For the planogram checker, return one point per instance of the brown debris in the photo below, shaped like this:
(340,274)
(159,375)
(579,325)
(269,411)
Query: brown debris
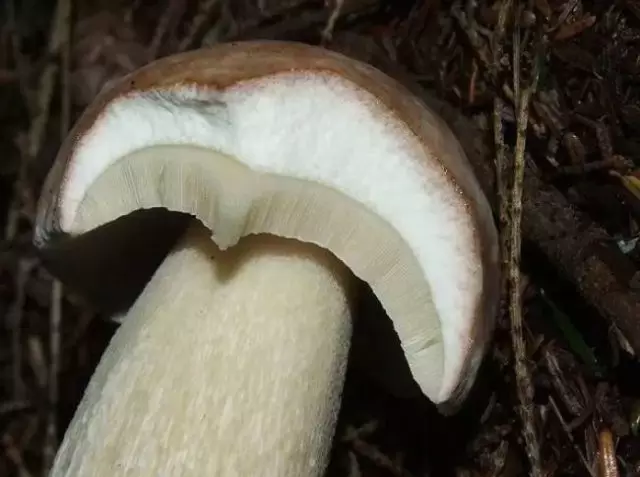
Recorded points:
(577,191)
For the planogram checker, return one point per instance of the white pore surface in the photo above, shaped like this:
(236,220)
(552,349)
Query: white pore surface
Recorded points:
(319,128)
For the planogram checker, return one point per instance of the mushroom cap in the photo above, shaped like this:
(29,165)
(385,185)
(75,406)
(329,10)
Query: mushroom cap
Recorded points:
(301,142)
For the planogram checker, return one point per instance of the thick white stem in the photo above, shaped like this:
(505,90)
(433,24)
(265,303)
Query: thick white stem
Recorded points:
(229,364)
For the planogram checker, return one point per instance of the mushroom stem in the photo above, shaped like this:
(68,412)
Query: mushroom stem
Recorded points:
(229,364)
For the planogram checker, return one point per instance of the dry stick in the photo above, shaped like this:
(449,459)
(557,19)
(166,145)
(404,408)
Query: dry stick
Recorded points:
(131,10)
(13,214)
(38,361)
(498,134)
(356,439)
(607,459)
(567,431)
(501,182)
(55,318)
(354,467)
(55,309)
(15,320)
(205,11)
(522,372)
(14,455)
(510,242)
(13,406)
(58,37)
(584,253)
(171,14)
(281,25)
(505,8)
(20,65)
(161,30)
(327,33)
(37,129)
(378,458)
(65,74)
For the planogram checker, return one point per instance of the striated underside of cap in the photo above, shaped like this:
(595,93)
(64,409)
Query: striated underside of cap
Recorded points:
(297,141)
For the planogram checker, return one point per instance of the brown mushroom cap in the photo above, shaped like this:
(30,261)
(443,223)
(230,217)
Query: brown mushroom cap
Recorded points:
(303,143)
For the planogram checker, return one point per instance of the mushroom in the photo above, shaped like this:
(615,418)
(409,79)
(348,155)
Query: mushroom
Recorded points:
(297,171)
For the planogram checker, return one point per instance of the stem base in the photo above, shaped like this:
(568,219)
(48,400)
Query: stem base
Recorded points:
(229,364)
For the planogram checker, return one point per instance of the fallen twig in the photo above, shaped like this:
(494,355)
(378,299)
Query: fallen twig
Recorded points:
(55,308)
(567,431)
(355,437)
(171,16)
(14,454)
(35,136)
(522,373)
(205,11)
(55,318)
(15,319)
(498,135)
(282,23)
(327,33)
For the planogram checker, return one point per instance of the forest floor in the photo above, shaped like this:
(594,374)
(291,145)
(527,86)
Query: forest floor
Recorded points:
(547,96)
